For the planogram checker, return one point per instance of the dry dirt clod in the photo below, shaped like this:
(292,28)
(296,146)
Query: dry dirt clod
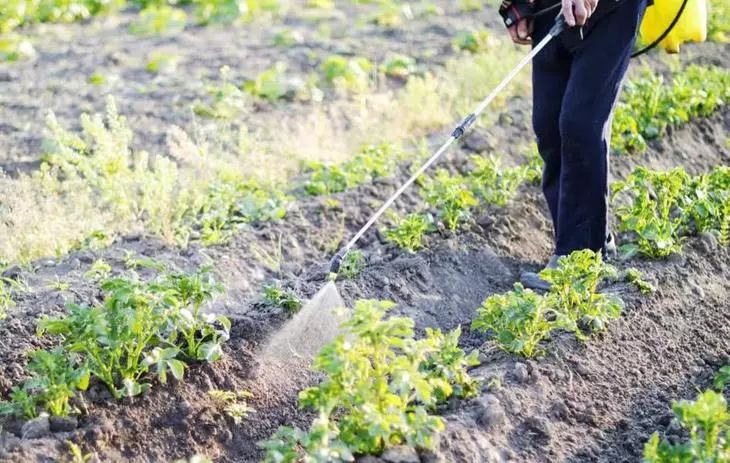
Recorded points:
(491,414)
(63,423)
(520,373)
(709,241)
(13,272)
(36,428)
(401,454)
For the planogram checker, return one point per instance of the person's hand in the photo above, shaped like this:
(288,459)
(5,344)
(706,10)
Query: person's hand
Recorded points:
(577,12)
(522,31)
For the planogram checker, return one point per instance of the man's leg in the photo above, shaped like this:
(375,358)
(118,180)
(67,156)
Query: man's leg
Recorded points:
(598,69)
(550,74)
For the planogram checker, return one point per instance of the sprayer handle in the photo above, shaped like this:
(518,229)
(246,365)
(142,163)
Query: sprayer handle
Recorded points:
(559,26)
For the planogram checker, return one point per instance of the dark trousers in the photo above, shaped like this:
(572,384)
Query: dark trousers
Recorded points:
(574,95)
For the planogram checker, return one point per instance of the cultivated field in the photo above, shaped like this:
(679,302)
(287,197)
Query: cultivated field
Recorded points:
(176,179)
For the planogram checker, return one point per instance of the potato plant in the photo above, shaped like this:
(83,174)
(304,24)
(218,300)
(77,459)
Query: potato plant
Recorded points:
(275,296)
(492,182)
(649,105)
(451,196)
(371,162)
(408,232)
(707,421)
(521,319)
(142,327)
(379,386)
(353,264)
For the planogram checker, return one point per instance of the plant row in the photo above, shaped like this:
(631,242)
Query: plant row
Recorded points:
(141,331)
(649,106)
(381,388)
(453,198)
(657,210)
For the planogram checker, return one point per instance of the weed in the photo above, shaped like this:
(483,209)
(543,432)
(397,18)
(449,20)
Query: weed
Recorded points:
(275,296)
(707,421)
(452,197)
(352,265)
(408,232)
(234,404)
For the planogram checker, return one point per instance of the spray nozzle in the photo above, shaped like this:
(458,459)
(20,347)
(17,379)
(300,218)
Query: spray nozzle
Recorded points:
(336,262)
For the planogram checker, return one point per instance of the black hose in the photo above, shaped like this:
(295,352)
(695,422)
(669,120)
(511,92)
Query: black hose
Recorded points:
(646,48)
(665,34)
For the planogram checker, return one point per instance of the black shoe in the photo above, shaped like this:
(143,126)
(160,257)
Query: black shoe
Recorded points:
(532,280)
(611,248)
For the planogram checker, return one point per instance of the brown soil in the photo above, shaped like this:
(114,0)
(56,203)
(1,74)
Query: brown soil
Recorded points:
(597,401)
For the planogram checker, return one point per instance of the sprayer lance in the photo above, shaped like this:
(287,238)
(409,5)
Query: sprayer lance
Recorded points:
(460,129)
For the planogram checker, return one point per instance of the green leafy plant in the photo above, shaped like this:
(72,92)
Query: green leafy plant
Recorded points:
(275,296)
(651,213)
(350,74)
(519,320)
(100,270)
(142,325)
(234,404)
(473,41)
(352,265)
(77,455)
(270,84)
(634,276)
(446,366)
(649,105)
(408,232)
(379,383)
(495,184)
(159,19)
(522,319)
(55,378)
(373,161)
(722,378)
(707,421)
(452,197)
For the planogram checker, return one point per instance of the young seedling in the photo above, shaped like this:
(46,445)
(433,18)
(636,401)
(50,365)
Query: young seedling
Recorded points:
(352,265)
(234,404)
(452,197)
(100,270)
(408,232)
(494,183)
(634,276)
(275,296)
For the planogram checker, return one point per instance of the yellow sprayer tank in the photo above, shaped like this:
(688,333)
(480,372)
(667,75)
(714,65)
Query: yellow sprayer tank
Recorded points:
(691,27)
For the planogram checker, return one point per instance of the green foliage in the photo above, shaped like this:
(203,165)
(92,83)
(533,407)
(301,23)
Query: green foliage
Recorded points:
(15,48)
(399,67)
(651,213)
(521,319)
(142,326)
(270,84)
(495,184)
(77,455)
(660,208)
(634,276)
(7,285)
(234,404)
(352,265)
(649,106)
(722,378)
(348,73)
(408,232)
(287,38)
(718,23)
(275,296)
(380,384)
(155,20)
(452,197)
(707,421)
(474,41)
(100,270)
(373,161)
(55,378)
